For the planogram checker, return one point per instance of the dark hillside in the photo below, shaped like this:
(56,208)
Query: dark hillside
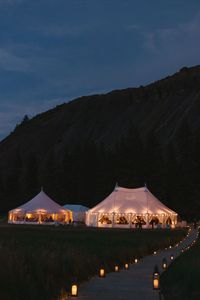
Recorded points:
(78,150)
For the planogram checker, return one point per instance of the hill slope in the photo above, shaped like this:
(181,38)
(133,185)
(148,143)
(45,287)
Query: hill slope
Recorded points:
(161,119)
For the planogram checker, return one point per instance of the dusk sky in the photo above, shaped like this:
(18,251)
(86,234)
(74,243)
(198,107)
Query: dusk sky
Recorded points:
(52,51)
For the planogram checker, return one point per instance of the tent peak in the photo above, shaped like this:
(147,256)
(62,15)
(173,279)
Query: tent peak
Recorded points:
(116,186)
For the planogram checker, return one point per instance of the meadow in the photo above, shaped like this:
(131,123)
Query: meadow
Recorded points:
(38,262)
(181,280)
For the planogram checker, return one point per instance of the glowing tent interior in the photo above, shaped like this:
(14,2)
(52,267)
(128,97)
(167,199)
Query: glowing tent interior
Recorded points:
(40,210)
(131,208)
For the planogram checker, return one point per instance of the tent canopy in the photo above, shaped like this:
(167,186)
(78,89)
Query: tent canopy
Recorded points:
(78,211)
(135,201)
(76,207)
(40,203)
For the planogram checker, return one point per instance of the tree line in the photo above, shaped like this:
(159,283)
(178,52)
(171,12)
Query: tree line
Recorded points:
(88,172)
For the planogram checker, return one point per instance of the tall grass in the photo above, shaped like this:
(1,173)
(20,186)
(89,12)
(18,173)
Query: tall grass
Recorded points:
(181,280)
(37,262)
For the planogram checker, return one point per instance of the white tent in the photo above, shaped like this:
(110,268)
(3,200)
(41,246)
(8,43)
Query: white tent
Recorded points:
(131,208)
(78,211)
(40,210)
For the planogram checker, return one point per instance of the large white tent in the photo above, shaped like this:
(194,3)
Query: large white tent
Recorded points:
(131,208)
(40,210)
(78,211)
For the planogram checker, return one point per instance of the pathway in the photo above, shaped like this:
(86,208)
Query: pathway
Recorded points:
(135,283)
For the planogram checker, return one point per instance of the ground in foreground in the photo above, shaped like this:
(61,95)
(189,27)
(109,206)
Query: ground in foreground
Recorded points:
(37,262)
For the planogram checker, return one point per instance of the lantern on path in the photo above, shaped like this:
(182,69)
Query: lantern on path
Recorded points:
(74,288)
(164,264)
(102,272)
(156,279)
(172,256)
(116,268)
(126,266)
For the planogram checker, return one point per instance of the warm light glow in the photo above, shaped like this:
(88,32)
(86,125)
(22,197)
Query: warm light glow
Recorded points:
(170,247)
(28,216)
(41,211)
(74,290)
(172,257)
(164,264)
(154,252)
(126,266)
(156,278)
(116,268)
(156,283)
(136,260)
(102,272)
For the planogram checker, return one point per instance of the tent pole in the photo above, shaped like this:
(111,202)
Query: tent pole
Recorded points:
(97,224)
(163,218)
(130,218)
(113,218)
(40,218)
(147,219)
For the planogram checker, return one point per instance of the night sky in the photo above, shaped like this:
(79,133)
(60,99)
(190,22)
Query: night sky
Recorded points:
(52,51)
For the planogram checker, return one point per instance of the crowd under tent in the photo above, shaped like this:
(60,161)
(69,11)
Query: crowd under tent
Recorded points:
(40,210)
(128,208)
(78,212)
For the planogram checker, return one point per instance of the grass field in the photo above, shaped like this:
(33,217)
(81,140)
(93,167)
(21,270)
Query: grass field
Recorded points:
(181,280)
(37,262)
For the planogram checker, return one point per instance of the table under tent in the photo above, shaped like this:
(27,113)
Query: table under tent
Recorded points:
(128,208)
(40,210)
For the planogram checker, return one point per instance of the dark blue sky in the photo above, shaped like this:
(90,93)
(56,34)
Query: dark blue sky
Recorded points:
(54,50)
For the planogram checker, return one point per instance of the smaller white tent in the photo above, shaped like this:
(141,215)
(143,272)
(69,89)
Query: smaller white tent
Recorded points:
(39,210)
(78,211)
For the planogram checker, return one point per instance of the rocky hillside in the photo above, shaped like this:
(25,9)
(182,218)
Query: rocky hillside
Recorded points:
(161,118)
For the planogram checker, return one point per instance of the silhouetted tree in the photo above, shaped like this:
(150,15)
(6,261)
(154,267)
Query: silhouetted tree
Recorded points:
(13,188)
(31,177)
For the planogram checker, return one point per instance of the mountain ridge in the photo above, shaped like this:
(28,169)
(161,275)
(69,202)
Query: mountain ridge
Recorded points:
(162,109)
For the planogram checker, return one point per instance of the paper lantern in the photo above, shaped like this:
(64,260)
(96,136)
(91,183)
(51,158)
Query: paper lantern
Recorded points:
(156,279)
(116,268)
(102,272)
(126,266)
(74,288)
(164,264)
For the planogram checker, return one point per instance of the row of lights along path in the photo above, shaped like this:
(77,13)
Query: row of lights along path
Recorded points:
(138,281)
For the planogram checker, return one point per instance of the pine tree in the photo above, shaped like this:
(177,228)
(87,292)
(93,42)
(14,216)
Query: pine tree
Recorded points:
(31,177)
(130,159)
(13,188)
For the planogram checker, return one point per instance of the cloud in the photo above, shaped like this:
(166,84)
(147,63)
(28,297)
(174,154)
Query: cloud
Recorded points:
(133,27)
(182,37)
(11,62)
(60,31)
(10,2)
